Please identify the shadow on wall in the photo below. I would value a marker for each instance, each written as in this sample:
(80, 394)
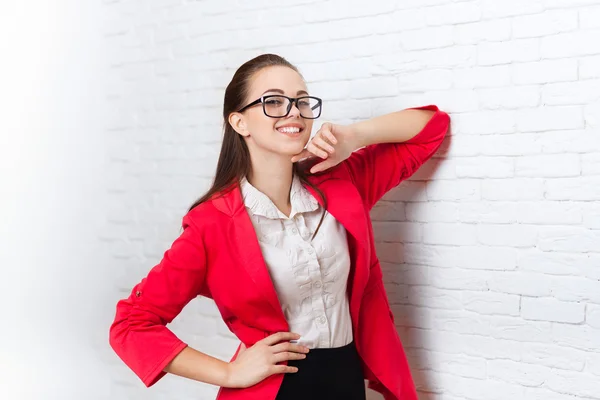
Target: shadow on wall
(393, 234)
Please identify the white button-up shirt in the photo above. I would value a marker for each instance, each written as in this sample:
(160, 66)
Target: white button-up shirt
(310, 277)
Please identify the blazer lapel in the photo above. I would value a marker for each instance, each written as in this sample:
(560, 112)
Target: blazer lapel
(344, 203)
(246, 242)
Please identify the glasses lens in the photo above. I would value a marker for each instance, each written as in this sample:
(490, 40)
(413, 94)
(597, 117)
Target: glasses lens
(276, 106)
(310, 107)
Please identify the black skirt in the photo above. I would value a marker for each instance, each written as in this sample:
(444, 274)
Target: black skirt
(332, 373)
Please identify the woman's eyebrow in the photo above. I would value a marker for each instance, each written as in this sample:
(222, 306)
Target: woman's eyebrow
(281, 91)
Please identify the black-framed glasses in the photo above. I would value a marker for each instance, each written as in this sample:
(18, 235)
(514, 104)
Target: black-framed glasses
(278, 106)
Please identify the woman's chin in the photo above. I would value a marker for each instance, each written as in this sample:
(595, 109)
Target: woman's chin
(291, 149)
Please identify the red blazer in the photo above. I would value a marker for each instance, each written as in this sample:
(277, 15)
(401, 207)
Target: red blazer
(218, 256)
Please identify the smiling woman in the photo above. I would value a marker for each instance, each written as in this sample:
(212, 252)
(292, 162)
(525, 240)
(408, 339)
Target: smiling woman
(294, 276)
(255, 124)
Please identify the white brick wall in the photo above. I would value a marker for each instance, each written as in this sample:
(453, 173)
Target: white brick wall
(491, 252)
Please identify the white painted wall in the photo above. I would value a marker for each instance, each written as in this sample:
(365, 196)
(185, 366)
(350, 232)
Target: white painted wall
(491, 252)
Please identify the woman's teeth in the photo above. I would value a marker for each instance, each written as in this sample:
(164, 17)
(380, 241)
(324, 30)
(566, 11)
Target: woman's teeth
(289, 130)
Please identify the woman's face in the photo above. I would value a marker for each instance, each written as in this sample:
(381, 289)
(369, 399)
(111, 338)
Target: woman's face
(266, 133)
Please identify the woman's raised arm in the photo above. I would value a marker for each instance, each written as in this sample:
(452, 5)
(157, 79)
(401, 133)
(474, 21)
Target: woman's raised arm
(395, 146)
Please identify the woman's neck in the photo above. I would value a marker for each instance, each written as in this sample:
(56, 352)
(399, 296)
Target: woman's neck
(274, 179)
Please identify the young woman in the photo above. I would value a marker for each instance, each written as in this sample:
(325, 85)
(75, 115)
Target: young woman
(283, 243)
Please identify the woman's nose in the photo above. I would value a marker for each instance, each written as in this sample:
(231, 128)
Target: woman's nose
(294, 111)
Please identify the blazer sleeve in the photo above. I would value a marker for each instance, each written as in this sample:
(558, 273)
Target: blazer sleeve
(378, 168)
(139, 334)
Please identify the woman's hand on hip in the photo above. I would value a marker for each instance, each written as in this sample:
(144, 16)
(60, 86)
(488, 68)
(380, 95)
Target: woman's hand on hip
(259, 361)
(332, 142)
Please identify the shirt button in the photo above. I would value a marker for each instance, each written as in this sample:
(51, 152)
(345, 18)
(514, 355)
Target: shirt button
(318, 284)
(294, 231)
(310, 251)
(321, 320)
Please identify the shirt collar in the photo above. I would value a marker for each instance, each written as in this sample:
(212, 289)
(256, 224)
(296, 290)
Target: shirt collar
(260, 204)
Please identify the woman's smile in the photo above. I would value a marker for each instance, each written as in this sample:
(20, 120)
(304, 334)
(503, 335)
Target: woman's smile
(293, 131)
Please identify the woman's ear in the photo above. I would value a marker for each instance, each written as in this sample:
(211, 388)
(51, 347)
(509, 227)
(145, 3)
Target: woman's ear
(237, 122)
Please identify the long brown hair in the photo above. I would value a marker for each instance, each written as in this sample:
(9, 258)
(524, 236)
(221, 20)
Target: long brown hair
(234, 159)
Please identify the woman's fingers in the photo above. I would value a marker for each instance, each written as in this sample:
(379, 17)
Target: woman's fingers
(316, 150)
(310, 151)
(282, 369)
(303, 154)
(286, 346)
(327, 133)
(288, 355)
(279, 337)
(321, 145)
(320, 142)
(322, 166)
